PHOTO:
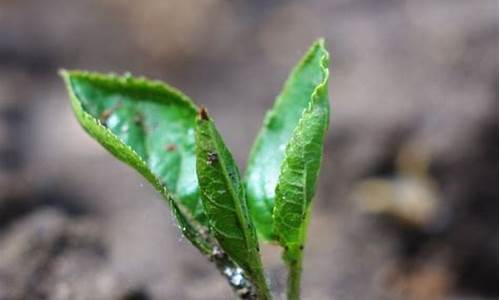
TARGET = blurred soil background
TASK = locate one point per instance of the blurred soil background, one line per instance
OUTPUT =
(407, 206)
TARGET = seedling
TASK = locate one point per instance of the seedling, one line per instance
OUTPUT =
(175, 145)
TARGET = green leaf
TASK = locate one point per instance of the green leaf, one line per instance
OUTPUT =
(149, 126)
(299, 171)
(297, 180)
(268, 152)
(224, 199)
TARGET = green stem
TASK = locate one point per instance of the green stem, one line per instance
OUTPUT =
(263, 292)
(293, 258)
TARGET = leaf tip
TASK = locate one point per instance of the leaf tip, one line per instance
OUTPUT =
(62, 72)
(203, 113)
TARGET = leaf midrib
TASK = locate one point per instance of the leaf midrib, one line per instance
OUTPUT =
(232, 192)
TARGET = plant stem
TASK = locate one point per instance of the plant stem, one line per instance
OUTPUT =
(237, 279)
(263, 292)
(293, 258)
(246, 286)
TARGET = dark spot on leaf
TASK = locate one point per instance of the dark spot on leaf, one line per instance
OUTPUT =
(104, 116)
(138, 119)
(232, 176)
(212, 158)
(203, 113)
(301, 247)
(171, 147)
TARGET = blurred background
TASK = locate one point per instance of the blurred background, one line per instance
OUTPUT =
(407, 204)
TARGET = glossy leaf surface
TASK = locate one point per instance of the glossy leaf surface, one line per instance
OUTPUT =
(280, 122)
(149, 126)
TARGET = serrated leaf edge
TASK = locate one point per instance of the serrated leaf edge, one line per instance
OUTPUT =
(324, 61)
(103, 134)
(323, 84)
